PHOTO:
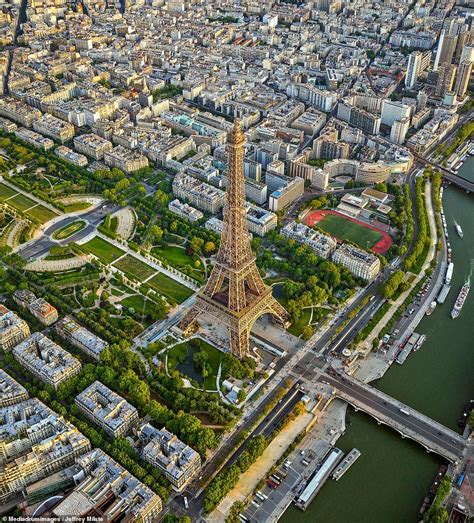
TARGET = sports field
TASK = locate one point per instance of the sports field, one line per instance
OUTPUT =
(348, 229)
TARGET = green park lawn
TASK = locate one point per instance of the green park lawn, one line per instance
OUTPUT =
(173, 254)
(42, 214)
(77, 206)
(21, 202)
(347, 230)
(105, 251)
(134, 267)
(137, 302)
(176, 256)
(69, 230)
(169, 288)
(297, 328)
(6, 192)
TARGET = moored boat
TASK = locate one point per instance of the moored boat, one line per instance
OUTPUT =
(431, 308)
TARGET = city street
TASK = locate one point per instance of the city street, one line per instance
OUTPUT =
(36, 248)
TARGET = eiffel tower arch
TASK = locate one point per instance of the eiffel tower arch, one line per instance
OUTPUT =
(235, 294)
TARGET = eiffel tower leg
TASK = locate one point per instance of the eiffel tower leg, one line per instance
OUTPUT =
(279, 313)
(239, 342)
(189, 320)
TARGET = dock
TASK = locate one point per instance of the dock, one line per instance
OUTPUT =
(346, 464)
(410, 344)
(319, 478)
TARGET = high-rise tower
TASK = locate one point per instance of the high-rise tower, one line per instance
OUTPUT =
(235, 294)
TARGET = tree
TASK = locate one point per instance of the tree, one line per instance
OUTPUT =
(209, 247)
(308, 331)
(196, 244)
(156, 234)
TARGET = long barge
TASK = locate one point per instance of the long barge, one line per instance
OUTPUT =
(443, 293)
(320, 477)
(449, 273)
(409, 346)
(346, 464)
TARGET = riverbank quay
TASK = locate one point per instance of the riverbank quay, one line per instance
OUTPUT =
(374, 366)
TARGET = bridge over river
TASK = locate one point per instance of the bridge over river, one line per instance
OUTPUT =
(410, 423)
(450, 176)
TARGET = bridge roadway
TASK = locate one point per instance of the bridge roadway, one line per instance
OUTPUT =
(434, 436)
(450, 176)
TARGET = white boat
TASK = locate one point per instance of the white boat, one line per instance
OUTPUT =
(431, 308)
(419, 343)
(449, 272)
(458, 229)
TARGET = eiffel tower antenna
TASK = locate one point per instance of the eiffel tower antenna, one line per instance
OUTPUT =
(235, 294)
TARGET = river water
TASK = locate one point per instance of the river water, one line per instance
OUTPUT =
(389, 481)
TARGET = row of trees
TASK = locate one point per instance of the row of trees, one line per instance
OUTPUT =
(392, 284)
(436, 513)
(414, 260)
(224, 482)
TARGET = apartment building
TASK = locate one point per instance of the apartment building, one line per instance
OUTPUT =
(361, 263)
(35, 139)
(125, 159)
(200, 194)
(80, 337)
(54, 128)
(327, 145)
(46, 360)
(92, 145)
(322, 100)
(39, 308)
(176, 460)
(286, 191)
(369, 122)
(300, 168)
(169, 148)
(102, 482)
(310, 122)
(11, 392)
(19, 112)
(321, 244)
(260, 221)
(13, 329)
(107, 409)
(35, 444)
(7, 125)
(69, 155)
(185, 211)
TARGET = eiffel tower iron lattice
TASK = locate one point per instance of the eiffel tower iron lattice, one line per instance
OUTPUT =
(235, 294)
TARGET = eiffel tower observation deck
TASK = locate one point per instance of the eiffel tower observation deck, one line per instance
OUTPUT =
(235, 294)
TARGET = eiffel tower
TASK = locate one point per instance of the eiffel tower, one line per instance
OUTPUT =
(235, 294)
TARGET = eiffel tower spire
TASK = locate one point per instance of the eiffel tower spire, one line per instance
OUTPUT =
(235, 293)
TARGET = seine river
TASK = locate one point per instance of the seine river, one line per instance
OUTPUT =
(393, 475)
